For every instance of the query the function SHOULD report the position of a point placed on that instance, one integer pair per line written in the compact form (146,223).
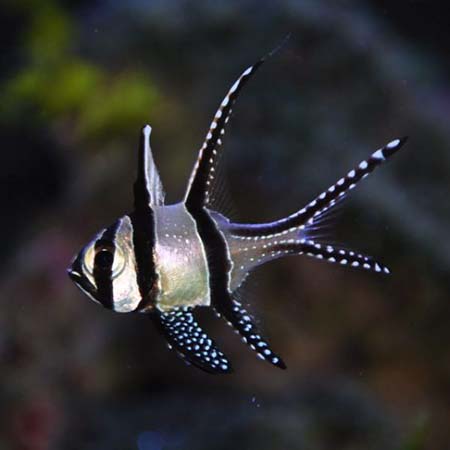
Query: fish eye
(104,256)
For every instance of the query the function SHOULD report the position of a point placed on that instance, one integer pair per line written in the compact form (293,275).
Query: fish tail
(332,254)
(298,223)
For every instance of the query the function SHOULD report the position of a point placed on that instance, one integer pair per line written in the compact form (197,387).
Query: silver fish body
(168,260)
(180,260)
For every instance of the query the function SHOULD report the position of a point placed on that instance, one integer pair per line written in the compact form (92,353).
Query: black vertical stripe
(103,262)
(143,223)
(219,265)
(143,242)
(141,194)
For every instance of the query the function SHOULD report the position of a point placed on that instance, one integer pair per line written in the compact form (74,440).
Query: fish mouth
(74,275)
(74,270)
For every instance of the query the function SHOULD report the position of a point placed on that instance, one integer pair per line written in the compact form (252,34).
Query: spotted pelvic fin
(185,336)
(299,221)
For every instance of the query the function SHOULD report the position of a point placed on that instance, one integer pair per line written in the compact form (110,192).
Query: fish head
(105,268)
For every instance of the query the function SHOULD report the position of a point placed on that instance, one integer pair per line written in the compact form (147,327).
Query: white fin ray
(248,256)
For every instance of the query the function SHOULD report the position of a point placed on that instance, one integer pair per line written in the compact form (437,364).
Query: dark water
(367,355)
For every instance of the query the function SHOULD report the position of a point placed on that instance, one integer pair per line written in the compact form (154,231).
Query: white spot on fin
(378,155)
(393,144)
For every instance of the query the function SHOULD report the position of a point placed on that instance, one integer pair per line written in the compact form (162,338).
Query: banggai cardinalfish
(167,260)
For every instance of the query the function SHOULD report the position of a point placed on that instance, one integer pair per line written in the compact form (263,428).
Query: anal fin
(189,340)
(239,318)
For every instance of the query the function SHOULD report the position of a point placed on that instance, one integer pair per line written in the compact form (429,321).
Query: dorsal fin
(148,190)
(198,190)
(204,173)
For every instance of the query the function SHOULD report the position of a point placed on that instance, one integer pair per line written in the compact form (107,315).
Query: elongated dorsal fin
(148,190)
(203,174)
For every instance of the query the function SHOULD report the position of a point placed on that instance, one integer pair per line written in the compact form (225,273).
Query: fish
(169,260)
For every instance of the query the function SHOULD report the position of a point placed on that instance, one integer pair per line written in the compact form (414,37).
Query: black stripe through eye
(103,262)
